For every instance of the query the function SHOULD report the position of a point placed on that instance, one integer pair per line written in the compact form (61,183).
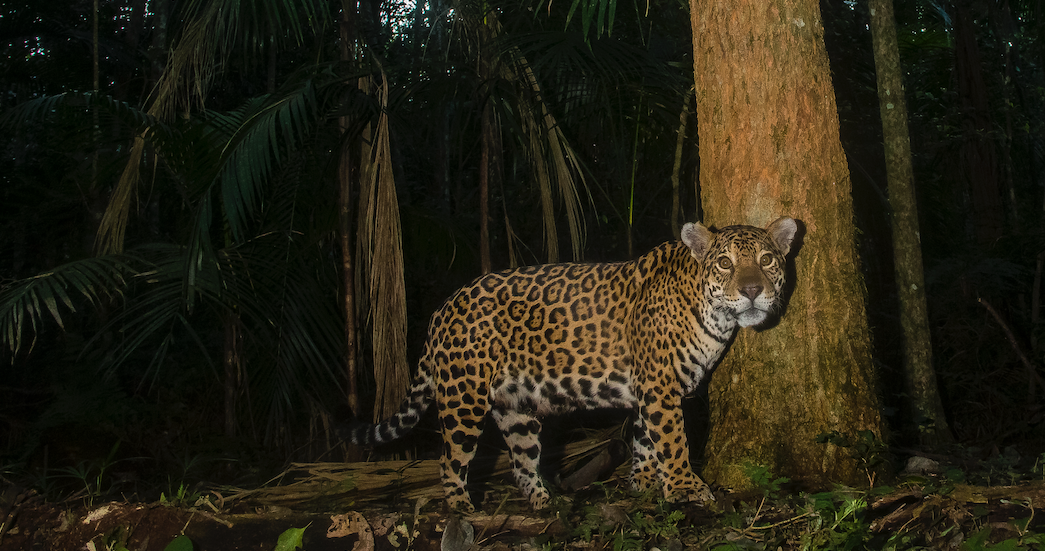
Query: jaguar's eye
(766,260)
(725,263)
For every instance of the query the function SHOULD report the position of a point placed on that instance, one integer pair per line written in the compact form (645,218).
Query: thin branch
(1032,372)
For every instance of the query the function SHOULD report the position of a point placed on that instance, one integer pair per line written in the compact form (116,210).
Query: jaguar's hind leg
(522,434)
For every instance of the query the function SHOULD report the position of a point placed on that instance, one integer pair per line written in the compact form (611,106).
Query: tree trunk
(978,157)
(348,279)
(487,131)
(233,362)
(490,143)
(346,174)
(676,168)
(769,146)
(919,376)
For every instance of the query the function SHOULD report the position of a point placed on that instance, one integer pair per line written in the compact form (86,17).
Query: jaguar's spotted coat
(526,343)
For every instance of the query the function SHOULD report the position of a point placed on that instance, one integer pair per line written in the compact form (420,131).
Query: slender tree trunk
(133,31)
(95,205)
(157,53)
(1036,293)
(232,361)
(769,146)
(94,48)
(485,264)
(348,280)
(978,157)
(676,168)
(490,153)
(919,375)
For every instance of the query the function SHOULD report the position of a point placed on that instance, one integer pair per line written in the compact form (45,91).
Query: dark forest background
(117,349)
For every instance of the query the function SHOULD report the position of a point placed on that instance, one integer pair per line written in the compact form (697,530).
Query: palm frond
(554,160)
(208,39)
(381,247)
(270,127)
(599,13)
(25,305)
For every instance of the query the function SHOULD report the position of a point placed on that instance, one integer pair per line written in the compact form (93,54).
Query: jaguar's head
(743,266)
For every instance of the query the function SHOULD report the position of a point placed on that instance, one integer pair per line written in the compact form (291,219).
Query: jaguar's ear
(782,231)
(697,238)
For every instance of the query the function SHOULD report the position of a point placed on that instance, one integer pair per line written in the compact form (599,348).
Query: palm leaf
(268,129)
(214,30)
(381,247)
(26,304)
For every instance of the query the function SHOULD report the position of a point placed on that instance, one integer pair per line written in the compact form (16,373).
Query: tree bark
(346,173)
(490,143)
(919,375)
(769,146)
(233,363)
(978,156)
(676,169)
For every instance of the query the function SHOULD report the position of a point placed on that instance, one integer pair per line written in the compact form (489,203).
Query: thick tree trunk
(769,146)
(919,376)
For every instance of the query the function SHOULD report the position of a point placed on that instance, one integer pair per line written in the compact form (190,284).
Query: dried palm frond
(378,480)
(553,162)
(552,157)
(381,247)
(216,29)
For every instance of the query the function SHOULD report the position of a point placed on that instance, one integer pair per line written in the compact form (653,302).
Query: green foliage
(291,539)
(978,542)
(180,543)
(869,451)
(25,305)
(834,523)
(762,478)
(183,496)
(91,475)
(646,528)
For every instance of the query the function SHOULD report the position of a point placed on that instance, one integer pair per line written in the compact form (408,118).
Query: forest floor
(396,505)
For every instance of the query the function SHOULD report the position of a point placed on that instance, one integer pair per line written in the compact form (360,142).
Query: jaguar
(523,344)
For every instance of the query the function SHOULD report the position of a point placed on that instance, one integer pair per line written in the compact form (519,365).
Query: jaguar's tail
(417,400)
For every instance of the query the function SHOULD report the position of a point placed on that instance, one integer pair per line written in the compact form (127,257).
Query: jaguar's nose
(751,291)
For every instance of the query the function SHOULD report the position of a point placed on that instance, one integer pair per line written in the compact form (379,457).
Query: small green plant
(1003,466)
(867,449)
(91,475)
(835,523)
(1039,467)
(762,478)
(113,540)
(183,496)
(644,529)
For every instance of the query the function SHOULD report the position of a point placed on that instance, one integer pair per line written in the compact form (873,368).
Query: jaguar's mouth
(751,316)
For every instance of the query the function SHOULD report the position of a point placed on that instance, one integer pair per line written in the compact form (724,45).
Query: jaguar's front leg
(662,422)
(643,456)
